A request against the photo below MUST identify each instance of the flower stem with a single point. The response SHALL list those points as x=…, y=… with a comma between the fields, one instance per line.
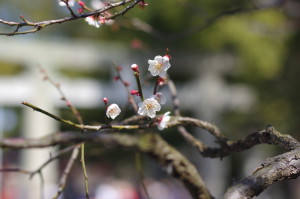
x=156, y=84
x=138, y=82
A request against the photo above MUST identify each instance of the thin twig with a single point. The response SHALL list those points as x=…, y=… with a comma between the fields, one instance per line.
x=15, y=170
x=126, y=85
x=84, y=127
x=68, y=103
x=53, y=157
x=82, y=146
x=64, y=177
x=37, y=26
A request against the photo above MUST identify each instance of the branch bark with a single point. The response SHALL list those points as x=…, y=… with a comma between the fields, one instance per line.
x=285, y=166
x=149, y=143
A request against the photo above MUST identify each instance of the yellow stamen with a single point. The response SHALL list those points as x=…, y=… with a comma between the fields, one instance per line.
x=158, y=66
x=149, y=106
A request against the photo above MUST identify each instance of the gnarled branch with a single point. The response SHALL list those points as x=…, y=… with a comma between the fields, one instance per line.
x=148, y=143
x=285, y=166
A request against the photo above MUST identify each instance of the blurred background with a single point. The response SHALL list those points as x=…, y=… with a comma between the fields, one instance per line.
x=235, y=64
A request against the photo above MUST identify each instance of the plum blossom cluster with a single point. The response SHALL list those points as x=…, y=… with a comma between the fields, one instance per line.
x=96, y=20
x=158, y=67
x=150, y=106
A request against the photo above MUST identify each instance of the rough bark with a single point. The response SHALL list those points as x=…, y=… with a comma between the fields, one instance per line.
x=149, y=143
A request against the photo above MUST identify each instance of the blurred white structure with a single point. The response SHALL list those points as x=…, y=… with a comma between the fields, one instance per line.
x=28, y=86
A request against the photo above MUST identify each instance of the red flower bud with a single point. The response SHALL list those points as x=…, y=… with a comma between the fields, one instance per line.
x=119, y=68
x=81, y=3
x=142, y=4
x=135, y=67
x=161, y=81
x=105, y=100
x=116, y=78
x=80, y=10
x=126, y=83
x=134, y=92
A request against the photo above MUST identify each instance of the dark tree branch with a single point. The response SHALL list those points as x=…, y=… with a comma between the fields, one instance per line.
x=148, y=143
x=285, y=166
x=37, y=26
x=268, y=135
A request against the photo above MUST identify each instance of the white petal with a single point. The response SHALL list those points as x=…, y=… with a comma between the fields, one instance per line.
x=113, y=111
x=166, y=66
x=157, y=107
x=151, y=113
x=151, y=62
x=142, y=111
x=162, y=74
x=158, y=59
x=166, y=59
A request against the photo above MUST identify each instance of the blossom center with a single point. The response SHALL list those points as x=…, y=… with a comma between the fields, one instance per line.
x=112, y=111
x=149, y=106
x=158, y=66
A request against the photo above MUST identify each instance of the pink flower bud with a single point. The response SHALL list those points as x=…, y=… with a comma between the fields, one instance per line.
x=102, y=20
x=105, y=100
x=161, y=81
x=135, y=67
x=80, y=10
x=119, y=68
x=142, y=4
x=116, y=78
x=134, y=92
x=68, y=103
x=81, y=3
x=136, y=44
x=126, y=84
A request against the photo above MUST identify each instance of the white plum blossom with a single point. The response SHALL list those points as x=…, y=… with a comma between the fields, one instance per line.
x=113, y=111
x=70, y=2
x=149, y=107
x=98, y=4
x=95, y=21
x=162, y=124
x=160, y=97
x=159, y=65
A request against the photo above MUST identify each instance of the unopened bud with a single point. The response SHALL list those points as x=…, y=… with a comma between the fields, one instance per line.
x=105, y=100
x=135, y=67
x=81, y=3
x=119, y=68
x=80, y=10
x=134, y=92
x=126, y=83
x=161, y=81
x=116, y=78
x=102, y=20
